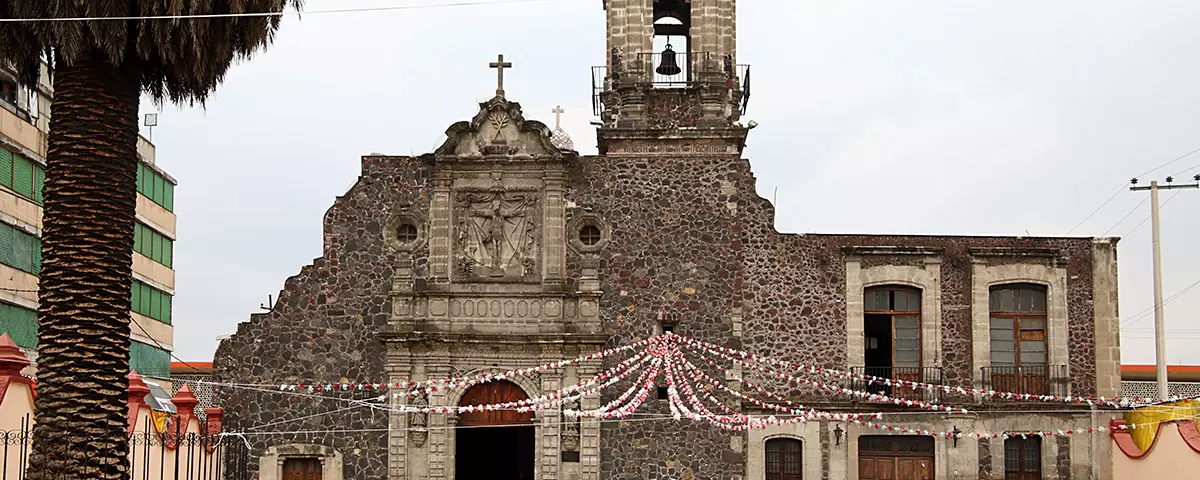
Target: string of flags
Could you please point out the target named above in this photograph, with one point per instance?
(690, 391)
(872, 379)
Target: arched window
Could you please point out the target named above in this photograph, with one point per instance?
(892, 334)
(1018, 338)
(783, 459)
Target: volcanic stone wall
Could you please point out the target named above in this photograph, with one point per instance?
(795, 292)
(675, 251)
(324, 328)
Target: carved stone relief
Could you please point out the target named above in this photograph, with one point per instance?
(570, 429)
(417, 422)
(497, 235)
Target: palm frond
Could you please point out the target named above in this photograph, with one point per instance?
(181, 60)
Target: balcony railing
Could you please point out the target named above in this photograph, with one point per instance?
(695, 68)
(930, 375)
(1032, 379)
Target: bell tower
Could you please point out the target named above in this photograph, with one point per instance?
(671, 75)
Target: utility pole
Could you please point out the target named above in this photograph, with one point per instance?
(1160, 331)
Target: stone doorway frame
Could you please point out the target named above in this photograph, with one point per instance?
(270, 464)
(531, 389)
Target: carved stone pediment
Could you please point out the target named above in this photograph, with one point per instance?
(499, 129)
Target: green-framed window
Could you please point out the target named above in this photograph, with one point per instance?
(151, 302)
(20, 324)
(20, 250)
(155, 246)
(155, 187)
(149, 360)
(22, 175)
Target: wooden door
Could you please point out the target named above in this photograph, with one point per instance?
(493, 393)
(899, 457)
(302, 469)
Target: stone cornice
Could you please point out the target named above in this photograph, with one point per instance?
(982, 254)
(540, 340)
(875, 250)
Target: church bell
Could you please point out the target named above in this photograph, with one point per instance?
(668, 66)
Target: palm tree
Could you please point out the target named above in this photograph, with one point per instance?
(100, 68)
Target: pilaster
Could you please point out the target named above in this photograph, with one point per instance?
(554, 242)
(439, 241)
(549, 420)
(589, 430)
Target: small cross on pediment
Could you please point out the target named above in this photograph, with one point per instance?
(500, 65)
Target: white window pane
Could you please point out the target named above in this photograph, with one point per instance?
(907, 345)
(1030, 359)
(1002, 346)
(1002, 359)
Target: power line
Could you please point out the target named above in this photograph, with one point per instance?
(1191, 169)
(1118, 192)
(1144, 220)
(1144, 313)
(1181, 157)
(1134, 209)
(1090, 215)
(269, 14)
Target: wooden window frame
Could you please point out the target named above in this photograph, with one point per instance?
(782, 443)
(1017, 316)
(1021, 448)
(893, 313)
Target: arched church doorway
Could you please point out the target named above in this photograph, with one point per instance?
(495, 445)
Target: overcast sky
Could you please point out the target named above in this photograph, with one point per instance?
(924, 117)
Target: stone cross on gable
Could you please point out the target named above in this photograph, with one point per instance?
(500, 65)
(558, 111)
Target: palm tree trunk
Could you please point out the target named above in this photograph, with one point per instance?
(87, 250)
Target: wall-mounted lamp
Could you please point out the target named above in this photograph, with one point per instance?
(837, 434)
(956, 433)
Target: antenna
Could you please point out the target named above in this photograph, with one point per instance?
(151, 121)
(269, 306)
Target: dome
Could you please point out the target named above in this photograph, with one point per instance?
(561, 139)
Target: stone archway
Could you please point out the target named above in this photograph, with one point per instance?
(498, 445)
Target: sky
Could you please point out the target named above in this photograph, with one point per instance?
(920, 117)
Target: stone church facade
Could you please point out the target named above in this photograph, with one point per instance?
(505, 248)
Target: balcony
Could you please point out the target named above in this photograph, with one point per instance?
(695, 69)
(930, 375)
(1031, 380)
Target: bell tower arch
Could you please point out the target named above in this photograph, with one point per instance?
(671, 68)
